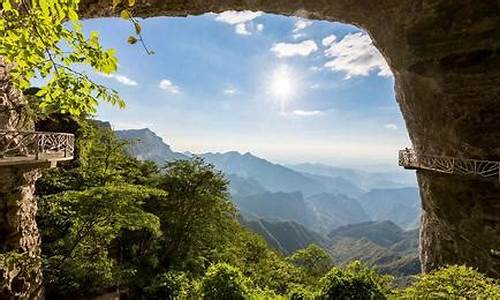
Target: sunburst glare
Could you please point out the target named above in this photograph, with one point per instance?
(283, 85)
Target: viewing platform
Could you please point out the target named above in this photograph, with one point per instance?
(32, 147)
(410, 159)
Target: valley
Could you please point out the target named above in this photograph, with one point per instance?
(353, 214)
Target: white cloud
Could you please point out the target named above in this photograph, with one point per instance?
(327, 41)
(301, 24)
(304, 48)
(391, 126)
(315, 86)
(241, 29)
(231, 91)
(167, 85)
(120, 78)
(236, 17)
(240, 20)
(306, 113)
(356, 55)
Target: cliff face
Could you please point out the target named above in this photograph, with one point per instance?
(146, 145)
(445, 57)
(18, 229)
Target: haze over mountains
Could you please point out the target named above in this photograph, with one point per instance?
(353, 213)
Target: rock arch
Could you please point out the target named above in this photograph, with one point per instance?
(445, 56)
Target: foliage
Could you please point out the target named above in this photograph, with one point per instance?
(169, 285)
(313, 260)
(40, 43)
(301, 293)
(453, 282)
(109, 221)
(264, 266)
(197, 215)
(223, 281)
(79, 228)
(356, 281)
(101, 159)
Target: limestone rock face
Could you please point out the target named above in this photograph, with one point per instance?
(13, 104)
(20, 265)
(19, 234)
(445, 57)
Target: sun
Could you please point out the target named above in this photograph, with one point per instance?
(283, 83)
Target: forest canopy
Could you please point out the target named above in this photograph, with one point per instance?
(111, 222)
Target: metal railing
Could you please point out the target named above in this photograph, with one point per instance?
(408, 158)
(36, 145)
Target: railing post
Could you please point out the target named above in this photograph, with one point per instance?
(66, 146)
(37, 146)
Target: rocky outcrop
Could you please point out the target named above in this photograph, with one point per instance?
(20, 265)
(445, 57)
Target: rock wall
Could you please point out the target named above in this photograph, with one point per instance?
(445, 56)
(20, 265)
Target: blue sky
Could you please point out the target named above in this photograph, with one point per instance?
(286, 89)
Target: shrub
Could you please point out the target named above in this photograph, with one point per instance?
(355, 282)
(452, 282)
(170, 285)
(300, 293)
(223, 281)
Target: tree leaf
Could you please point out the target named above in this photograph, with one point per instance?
(132, 40)
(137, 28)
(116, 3)
(125, 14)
(131, 2)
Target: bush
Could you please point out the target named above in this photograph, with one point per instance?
(300, 293)
(223, 281)
(170, 285)
(452, 282)
(355, 282)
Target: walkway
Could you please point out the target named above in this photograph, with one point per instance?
(19, 147)
(409, 159)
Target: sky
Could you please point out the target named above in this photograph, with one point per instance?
(287, 89)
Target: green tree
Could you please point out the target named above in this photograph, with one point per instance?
(101, 158)
(169, 285)
(197, 215)
(225, 282)
(313, 259)
(79, 228)
(356, 281)
(452, 282)
(43, 38)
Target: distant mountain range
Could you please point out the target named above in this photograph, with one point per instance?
(365, 180)
(344, 210)
(146, 145)
(317, 196)
(381, 244)
(287, 236)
